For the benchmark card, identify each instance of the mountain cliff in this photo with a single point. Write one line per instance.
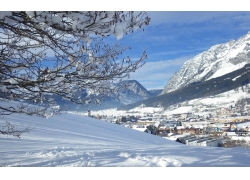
(133, 93)
(217, 61)
(202, 89)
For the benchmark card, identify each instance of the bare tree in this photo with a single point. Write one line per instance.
(10, 129)
(64, 54)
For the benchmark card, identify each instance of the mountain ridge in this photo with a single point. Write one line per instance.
(133, 92)
(199, 89)
(218, 60)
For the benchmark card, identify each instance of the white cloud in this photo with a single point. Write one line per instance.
(154, 75)
(191, 17)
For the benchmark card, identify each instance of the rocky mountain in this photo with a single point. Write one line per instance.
(133, 93)
(231, 81)
(219, 60)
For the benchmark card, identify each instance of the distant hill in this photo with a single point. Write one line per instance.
(221, 68)
(133, 93)
(155, 92)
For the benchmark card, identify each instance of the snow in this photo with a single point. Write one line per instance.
(236, 78)
(120, 29)
(108, 112)
(219, 60)
(226, 68)
(230, 133)
(72, 140)
(174, 137)
(227, 98)
(223, 100)
(186, 109)
(140, 129)
(136, 111)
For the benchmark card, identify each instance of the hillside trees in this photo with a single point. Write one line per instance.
(63, 54)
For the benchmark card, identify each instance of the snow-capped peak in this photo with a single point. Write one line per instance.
(219, 60)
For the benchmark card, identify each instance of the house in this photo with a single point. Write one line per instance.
(223, 126)
(211, 142)
(188, 129)
(183, 139)
(146, 121)
(229, 134)
(211, 129)
(199, 141)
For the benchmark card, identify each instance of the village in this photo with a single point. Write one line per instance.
(221, 125)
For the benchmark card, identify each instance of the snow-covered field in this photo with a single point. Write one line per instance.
(142, 111)
(74, 140)
(226, 99)
(221, 100)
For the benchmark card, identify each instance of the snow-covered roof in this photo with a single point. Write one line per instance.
(229, 134)
(139, 129)
(180, 127)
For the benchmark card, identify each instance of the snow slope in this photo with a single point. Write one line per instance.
(225, 100)
(74, 140)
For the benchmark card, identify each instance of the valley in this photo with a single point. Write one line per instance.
(224, 117)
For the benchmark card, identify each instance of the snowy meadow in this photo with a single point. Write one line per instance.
(73, 140)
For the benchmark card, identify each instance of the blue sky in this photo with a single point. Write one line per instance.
(174, 37)
(179, 30)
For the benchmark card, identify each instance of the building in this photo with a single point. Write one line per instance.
(146, 121)
(190, 129)
(89, 113)
(199, 141)
(211, 129)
